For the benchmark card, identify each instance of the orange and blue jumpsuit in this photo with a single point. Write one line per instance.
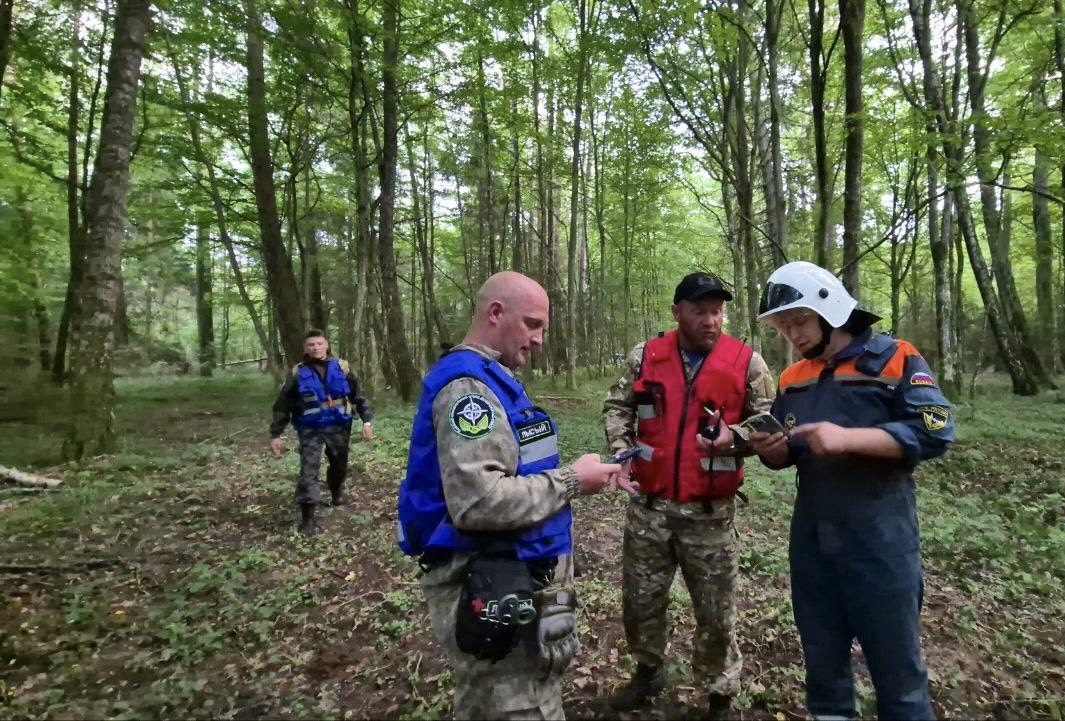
(854, 548)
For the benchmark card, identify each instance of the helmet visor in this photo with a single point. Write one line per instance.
(778, 295)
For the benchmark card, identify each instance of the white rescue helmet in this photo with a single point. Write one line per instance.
(804, 285)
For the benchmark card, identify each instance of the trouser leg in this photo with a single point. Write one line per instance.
(884, 598)
(824, 627)
(648, 565)
(311, 445)
(337, 443)
(708, 553)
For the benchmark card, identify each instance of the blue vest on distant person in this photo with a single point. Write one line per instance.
(424, 523)
(322, 404)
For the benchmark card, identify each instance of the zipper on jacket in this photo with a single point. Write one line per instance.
(688, 385)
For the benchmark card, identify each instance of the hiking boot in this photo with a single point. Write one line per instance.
(307, 525)
(719, 707)
(646, 683)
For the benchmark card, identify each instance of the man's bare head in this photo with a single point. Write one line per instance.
(510, 315)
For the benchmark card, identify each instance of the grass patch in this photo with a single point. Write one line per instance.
(166, 580)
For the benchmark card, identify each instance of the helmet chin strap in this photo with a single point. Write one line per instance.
(826, 336)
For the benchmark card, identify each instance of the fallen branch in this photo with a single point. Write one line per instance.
(28, 479)
(25, 490)
(57, 568)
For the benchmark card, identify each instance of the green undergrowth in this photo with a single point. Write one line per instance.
(166, 580)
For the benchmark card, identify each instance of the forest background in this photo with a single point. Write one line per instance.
(186, 187)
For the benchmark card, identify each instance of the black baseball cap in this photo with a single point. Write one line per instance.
(696, 286)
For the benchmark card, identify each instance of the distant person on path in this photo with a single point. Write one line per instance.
(485, 508)
(674, 386)
(861, 411)
(318, 396)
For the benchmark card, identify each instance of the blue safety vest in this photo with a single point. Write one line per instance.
(322, 404)
(424, 524)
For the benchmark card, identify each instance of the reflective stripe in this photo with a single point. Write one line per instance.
(646, 411)
(646, 451)
(311, 411)
(539, 450)
(720, 463)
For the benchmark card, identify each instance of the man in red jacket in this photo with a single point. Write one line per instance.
(675, 386)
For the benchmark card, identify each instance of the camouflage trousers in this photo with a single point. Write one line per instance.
(702, 541)
(513, 688)
(334, 440)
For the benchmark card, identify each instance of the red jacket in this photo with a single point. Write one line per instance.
(670, 413)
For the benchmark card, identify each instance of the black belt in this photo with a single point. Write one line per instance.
(708, 503)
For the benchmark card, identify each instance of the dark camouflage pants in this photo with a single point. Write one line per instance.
(513, 688)
(334, 441)
(702, 541)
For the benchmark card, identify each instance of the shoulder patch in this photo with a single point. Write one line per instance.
(920, 378)
(471, 416)
(935, 417)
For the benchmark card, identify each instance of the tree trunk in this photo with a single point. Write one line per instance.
(739, 140)
(316, 307)
(406, 373)
(818, 83)
(996, 231)
(204, 300)
(949, 370)
(1046, 327)
(573, 289)
(488, 237)
(775, 203)
(280, 278)
(434, 318)
(1024, 381)
(517, 260)
(1059, 63)
(218, 206)
(92, 392)
(33, 273)
(75, 237)
(359, 109)
(852, 21)
(6, 19)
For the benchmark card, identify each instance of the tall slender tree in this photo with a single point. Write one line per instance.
(406, 373)
(280, 278)
(92, 390)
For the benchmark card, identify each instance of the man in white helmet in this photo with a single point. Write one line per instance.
(861, 411)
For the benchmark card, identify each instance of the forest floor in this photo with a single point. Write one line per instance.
(166, 580)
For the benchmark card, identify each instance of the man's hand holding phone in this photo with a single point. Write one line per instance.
(716, 437)
(622, 480)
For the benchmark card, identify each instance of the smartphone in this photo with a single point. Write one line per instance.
(622, 456)
(711, 433)
(763, 423)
